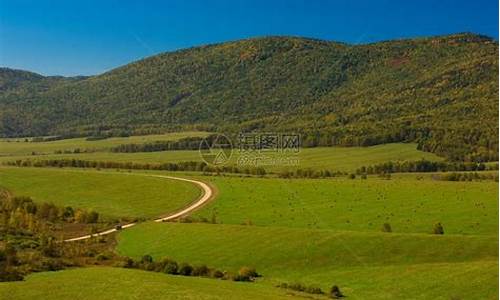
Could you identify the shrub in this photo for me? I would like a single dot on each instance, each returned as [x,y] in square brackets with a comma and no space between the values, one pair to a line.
[147,259]
[352,176]
[200,271]
[335,292]
[10,276]
[171,267]
[386,227]
[248,272]
[216,274]
[129,263]
[239,277]
[438,229]
[90,253]
[102,256]
[185,269]
[92,217]
[296,286]
[301,288]
[313,290]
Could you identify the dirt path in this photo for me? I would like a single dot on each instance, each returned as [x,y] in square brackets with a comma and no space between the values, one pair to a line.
[205,197]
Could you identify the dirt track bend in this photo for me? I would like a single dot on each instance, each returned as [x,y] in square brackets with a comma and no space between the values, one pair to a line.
[206,196]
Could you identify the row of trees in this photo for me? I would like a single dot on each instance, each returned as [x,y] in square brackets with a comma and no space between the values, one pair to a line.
[335,292]
[23,213]
[170,266]
[454,176]
[191,143]
[29,242]
[180,166]
[423,166]
[309,173]
[383,168]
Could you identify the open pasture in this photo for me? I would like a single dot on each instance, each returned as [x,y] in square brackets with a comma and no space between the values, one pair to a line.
[345,159]
[22,146]
[351,260]
[112,194]
[407,204]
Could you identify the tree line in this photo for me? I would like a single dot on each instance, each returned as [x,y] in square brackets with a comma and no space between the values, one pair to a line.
[29,243]
[23,213]
[172,267]
[423,166]
[474,176]
[190,143]
[180,166]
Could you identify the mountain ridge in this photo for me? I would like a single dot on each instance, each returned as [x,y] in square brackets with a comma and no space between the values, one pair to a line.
[437,91]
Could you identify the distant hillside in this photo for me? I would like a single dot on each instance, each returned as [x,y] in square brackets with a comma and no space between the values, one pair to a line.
[441,92]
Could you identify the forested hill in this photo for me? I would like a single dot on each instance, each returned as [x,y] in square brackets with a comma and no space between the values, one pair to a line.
[441,92]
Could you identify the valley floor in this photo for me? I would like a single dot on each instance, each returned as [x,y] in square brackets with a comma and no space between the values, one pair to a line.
[318,232]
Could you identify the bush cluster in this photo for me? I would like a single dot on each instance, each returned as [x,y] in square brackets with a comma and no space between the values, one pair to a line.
[296,286]
[335,292]
[171,267]
[23,212]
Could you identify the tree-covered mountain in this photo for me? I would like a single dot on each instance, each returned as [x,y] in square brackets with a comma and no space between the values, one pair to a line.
[441,92]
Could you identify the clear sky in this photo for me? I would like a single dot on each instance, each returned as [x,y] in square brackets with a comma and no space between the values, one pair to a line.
[90,37]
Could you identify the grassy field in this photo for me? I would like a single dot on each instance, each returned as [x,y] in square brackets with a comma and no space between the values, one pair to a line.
[328,231]
[21,147]
[115,283]
[112,194]
[331,158]
[314,231]
[351,260]
[407,204]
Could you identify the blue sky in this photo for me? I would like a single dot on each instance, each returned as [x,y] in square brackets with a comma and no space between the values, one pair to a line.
[91,37]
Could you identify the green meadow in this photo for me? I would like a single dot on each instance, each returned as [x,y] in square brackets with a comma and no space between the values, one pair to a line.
[407,204]
[21,146]
[364,265]
[112,194]
[319,232]
[328,231]
[346,159]
[127,284]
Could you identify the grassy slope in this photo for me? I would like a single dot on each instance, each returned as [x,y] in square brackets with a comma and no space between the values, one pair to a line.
[331,158]
[470,280]
[114,283]
[361,263]
[365,262]
[409,205]
[274,250]
[13,147]
[109,193]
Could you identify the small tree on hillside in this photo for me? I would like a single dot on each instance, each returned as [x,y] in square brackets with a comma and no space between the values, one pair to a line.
[386,227]
[335,292]
[147,259]
[438,229]
[185,269]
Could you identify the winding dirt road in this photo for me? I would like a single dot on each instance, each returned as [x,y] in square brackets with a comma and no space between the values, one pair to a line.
[205,197]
